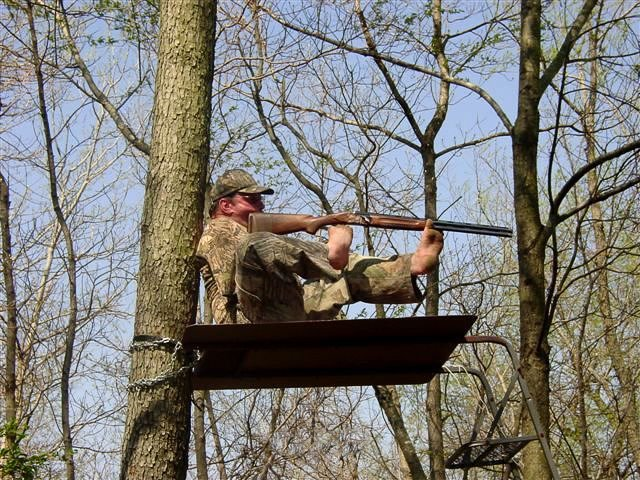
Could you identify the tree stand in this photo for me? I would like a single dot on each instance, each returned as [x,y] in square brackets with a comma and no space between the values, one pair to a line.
[387,351]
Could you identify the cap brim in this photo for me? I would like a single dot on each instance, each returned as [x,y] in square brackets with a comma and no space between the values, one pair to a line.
[257,189]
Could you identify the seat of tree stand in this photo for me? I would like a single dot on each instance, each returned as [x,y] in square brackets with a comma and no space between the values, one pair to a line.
[389,351]
[488,451]
[496,448]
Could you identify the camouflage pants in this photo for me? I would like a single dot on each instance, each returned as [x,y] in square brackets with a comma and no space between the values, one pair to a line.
[269,268]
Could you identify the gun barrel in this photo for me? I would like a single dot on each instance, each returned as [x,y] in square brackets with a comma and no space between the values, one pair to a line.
[409,223]
[473,228]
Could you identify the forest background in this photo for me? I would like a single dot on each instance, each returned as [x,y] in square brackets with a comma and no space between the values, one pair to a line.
[115,114]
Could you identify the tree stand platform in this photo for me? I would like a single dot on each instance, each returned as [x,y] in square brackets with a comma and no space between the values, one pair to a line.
[385,351]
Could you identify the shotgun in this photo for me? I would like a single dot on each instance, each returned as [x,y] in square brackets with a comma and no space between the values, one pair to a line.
[283,223]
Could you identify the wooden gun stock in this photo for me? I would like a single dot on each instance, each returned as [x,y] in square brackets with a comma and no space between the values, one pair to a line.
[283,223]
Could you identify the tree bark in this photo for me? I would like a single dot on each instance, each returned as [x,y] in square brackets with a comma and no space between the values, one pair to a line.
[534,346]
[434,395]
[156,438]
[10,406]
[200,438]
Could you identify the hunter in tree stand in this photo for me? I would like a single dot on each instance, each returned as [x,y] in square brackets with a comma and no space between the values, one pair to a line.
[255,277]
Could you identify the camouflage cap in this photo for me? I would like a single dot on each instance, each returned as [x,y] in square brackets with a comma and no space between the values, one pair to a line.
[236,181]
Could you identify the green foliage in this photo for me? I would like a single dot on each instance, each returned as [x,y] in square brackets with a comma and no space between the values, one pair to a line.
[130,17]
[14,463]
[101,41]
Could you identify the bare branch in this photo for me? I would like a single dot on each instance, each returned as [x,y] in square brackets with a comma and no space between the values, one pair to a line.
[580,174]
[98,94]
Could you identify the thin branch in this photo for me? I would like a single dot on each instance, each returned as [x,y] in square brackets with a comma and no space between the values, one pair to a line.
[98,94]
[400,100]
[600,197]
[563,53]
[581,172]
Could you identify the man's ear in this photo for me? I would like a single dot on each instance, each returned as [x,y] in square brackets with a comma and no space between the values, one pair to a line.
[225,206]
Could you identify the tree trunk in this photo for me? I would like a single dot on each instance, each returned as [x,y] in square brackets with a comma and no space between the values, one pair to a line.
[156,436]
[581,387]
[70,258]
[628,403]
[10,407]
[434,395]
[390,403]
[534,347]
[200,438]
[217,444]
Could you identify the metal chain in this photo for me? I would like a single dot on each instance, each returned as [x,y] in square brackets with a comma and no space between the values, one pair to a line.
[141,342]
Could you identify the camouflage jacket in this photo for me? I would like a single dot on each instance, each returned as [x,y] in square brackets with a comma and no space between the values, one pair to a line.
[218,247]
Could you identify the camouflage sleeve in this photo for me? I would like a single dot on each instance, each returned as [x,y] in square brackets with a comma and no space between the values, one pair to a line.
[217,246]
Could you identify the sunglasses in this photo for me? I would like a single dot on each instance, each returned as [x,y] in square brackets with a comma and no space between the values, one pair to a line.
[251,197]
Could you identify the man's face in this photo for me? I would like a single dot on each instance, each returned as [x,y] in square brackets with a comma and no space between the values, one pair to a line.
[240,205]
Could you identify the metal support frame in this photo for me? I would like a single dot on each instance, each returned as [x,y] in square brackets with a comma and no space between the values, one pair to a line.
[488,451]
[499,450]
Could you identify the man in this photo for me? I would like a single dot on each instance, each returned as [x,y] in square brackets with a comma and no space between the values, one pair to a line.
[255,277]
